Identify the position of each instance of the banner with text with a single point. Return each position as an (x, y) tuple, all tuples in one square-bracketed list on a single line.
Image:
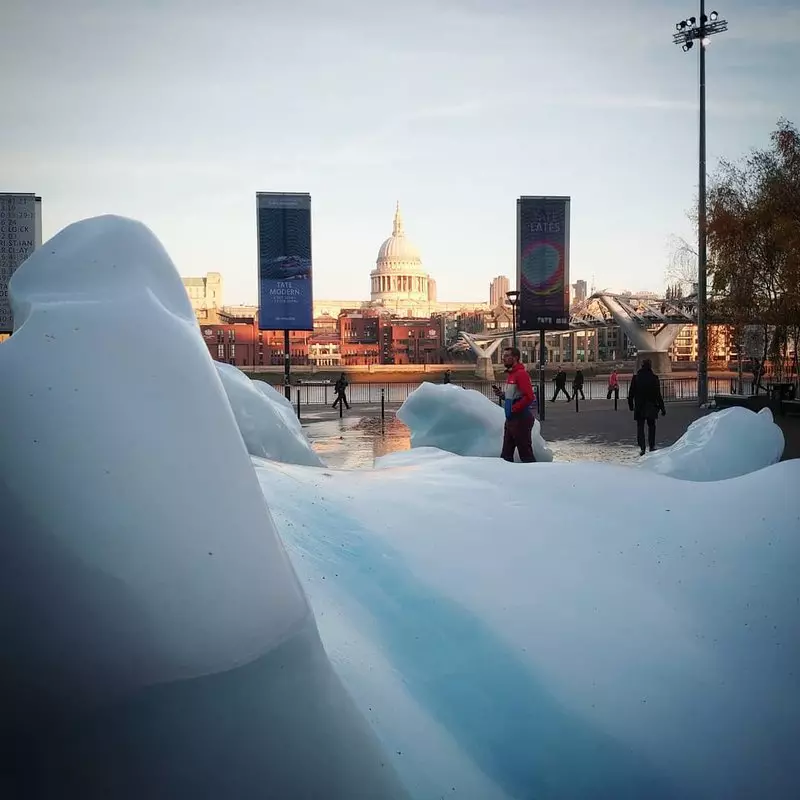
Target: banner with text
[(284, 262), (20, 235), (543, 263)]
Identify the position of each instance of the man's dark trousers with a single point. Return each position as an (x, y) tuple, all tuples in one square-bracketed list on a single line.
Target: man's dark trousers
[(651, 433), (517, 436)]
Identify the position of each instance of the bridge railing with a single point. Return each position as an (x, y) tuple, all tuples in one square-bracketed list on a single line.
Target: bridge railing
[(321, 394)]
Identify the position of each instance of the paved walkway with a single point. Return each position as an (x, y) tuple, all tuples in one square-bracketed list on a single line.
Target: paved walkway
[(596, 432), (596, 420)]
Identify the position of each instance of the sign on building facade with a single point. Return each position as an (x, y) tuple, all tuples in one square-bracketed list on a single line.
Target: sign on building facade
[(20, 235), (284, 261), (543, 263)]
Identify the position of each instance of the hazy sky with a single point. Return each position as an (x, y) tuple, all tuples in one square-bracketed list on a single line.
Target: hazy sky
[(176, 112)]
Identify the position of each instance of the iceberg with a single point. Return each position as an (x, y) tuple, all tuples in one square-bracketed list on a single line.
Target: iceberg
[(722, 445), (514, 633), (266, 419), (461, 421), (156, 641)]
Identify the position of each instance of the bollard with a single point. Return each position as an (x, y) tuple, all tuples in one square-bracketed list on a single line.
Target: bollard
[(383, 405), (298, 402), (577, 407), (616, 399), (341, 408)]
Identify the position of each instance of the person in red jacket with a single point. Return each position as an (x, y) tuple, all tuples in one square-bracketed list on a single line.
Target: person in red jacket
[(518, 400)]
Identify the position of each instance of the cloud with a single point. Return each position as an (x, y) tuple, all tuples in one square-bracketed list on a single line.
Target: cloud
[(656, 103), (776, 27)]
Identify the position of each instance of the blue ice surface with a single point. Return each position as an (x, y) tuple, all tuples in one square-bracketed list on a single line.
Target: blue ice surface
[(473, 683)]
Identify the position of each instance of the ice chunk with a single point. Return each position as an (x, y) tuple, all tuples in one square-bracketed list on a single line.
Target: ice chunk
[(596, 633), (721, 445), (461, 421), (266, 419), (156, 641)]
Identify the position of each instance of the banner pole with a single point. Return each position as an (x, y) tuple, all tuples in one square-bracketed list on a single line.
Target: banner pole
[(542, 362)]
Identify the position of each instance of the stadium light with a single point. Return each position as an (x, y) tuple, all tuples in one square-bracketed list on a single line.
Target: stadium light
[(687, 32)]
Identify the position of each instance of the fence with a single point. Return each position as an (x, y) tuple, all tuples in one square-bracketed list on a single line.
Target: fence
[(321, 394)]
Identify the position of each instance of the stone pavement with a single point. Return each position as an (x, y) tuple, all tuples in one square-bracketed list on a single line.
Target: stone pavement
[(596, 432)]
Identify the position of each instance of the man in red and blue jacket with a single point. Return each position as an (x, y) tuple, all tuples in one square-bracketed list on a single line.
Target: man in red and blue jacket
[(518, 400)]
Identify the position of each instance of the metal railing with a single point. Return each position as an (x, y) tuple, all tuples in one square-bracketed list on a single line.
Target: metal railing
[(322, 394)]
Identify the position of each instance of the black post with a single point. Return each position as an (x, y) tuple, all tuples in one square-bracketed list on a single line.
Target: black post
[(702, 330), (298, 402), (514, 323), (542, 362), (577, 407), (287, 389), (616, 398), (383, 405), (341, 406)]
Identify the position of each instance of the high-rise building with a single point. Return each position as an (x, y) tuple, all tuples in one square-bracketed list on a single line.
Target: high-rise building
[(20, 235), (579, 292), (497, 291)]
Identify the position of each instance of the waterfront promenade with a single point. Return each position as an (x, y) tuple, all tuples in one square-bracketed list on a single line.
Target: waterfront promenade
[(595, 433)]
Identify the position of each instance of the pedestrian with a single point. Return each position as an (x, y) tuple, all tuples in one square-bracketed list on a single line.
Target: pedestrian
[(518, 399), (577, 384), (645, 400), (560, 381), (758, 375), (340, 387), (613, 385), (447, 377)]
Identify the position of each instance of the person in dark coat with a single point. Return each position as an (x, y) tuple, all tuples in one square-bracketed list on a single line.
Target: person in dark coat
[(448, 377), (340, 387), (645, 400), (560, 381), (577, 384)]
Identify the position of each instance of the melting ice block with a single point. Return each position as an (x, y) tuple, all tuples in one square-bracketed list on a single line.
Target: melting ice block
[(156, 642), (266, 419), (599, 632), (721, 445), (461, 421)]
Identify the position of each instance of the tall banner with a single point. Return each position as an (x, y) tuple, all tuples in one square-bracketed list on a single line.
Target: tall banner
[(284, 262), (20, 235), (543, 263)]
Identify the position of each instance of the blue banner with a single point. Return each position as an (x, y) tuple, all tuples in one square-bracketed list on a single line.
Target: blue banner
[(543, 263), (284, 262)]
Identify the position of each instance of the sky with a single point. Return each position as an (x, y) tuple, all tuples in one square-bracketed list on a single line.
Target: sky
[(177, 112)]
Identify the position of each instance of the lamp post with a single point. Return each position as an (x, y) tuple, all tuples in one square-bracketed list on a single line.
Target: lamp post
[(513, 297), (688, 32)]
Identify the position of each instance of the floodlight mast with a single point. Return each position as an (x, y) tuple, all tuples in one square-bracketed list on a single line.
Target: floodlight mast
[(687, 32)]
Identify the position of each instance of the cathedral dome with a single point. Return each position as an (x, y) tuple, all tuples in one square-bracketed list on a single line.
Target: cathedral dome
[(397, 249)]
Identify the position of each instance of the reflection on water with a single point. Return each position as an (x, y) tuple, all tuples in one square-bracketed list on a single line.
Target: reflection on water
[(355, 442)]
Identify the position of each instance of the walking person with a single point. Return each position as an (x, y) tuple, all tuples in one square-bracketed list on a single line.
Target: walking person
[(518, 399), (613, 385), (577, 385), (758, 375), (560, 381), (340, 387), (645, 400)]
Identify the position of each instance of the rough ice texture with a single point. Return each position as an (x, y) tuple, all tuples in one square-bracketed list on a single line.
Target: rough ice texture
[(569, 631), (722, 445), (266, 419), (156, 641), (564, 630), (461, 421)]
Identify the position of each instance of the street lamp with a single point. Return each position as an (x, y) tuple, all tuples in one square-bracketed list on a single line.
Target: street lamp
[(688, 32), (513, 297)]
